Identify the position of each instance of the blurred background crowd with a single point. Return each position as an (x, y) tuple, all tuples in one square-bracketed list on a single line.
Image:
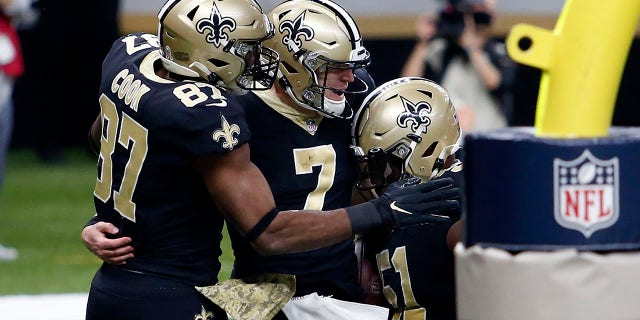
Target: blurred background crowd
[(55, 99)]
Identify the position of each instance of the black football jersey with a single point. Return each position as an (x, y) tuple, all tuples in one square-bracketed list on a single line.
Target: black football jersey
[(307, 163), (417, 271), (152, 131)]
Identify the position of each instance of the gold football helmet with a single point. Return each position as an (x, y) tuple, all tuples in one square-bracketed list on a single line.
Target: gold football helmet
[(219, 41), (409, 121), (313, 36)]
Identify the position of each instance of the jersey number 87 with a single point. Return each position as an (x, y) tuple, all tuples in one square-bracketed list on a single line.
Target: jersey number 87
[(125, 131)]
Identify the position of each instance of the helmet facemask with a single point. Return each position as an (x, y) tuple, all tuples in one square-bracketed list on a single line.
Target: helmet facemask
[(260, 67), (378, 169), (315, 95)]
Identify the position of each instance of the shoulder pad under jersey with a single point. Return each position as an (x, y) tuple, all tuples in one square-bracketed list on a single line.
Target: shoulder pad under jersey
[(200, 117)]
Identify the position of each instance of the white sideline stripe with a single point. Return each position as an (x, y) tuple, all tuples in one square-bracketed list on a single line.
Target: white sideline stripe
[(67, 306)]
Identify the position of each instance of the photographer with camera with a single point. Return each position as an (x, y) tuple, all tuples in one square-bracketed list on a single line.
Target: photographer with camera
[(456, 50)]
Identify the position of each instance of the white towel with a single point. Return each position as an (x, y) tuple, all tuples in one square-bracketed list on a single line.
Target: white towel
[(314, 307)]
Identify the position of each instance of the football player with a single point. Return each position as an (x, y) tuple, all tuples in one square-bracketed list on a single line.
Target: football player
[(174, 161), (301, 139), (408, 127)]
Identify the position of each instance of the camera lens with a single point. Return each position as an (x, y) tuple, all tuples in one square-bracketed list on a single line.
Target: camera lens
[(450, 23), (481, 18)]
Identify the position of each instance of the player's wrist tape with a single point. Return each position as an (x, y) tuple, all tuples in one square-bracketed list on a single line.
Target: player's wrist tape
[(261, 226), (363, 217)]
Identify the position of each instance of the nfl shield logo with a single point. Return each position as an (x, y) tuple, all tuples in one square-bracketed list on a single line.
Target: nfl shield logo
[(586, 193), (312, 126)]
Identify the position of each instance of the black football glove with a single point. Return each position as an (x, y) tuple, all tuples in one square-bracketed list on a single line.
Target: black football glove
[(408, 202), (403, 183)]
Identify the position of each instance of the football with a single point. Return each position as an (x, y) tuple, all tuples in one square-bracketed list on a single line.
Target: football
[(368, 275)]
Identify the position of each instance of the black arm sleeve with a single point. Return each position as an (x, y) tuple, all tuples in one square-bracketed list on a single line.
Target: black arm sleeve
[(91, 221)]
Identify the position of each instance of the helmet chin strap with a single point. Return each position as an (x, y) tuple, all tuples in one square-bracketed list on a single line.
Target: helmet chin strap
[(289, 91), (331, 108), (456, 166), (178, 69), (284, 83), (216, 80), (412, 146)]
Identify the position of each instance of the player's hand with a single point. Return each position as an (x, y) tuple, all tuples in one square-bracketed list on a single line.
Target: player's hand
[(113, 251), (401, 184), (408, 202), (426, 27)]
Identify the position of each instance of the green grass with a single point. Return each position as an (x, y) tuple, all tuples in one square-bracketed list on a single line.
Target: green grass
[(42, 211)]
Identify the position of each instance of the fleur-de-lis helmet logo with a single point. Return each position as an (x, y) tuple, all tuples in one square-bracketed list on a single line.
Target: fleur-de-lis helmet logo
[(294, 32), (216, 24), (416, 114), (204, 315), (227, 133)]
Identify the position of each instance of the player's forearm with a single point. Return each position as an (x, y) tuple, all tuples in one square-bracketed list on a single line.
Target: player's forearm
[(488, 72), (242, 193), (414, 67), (295, 231)]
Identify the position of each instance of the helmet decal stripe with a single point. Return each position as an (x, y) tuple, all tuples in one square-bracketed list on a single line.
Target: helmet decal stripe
[(347, 19), (257, 5), (167, 6), (162, 14)]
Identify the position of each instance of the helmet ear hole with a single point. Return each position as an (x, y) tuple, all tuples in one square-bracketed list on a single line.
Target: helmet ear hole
[(218, 63), (287, 66), (429, 151)]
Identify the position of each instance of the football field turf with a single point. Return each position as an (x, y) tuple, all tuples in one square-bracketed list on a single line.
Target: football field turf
[(42, 211)]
